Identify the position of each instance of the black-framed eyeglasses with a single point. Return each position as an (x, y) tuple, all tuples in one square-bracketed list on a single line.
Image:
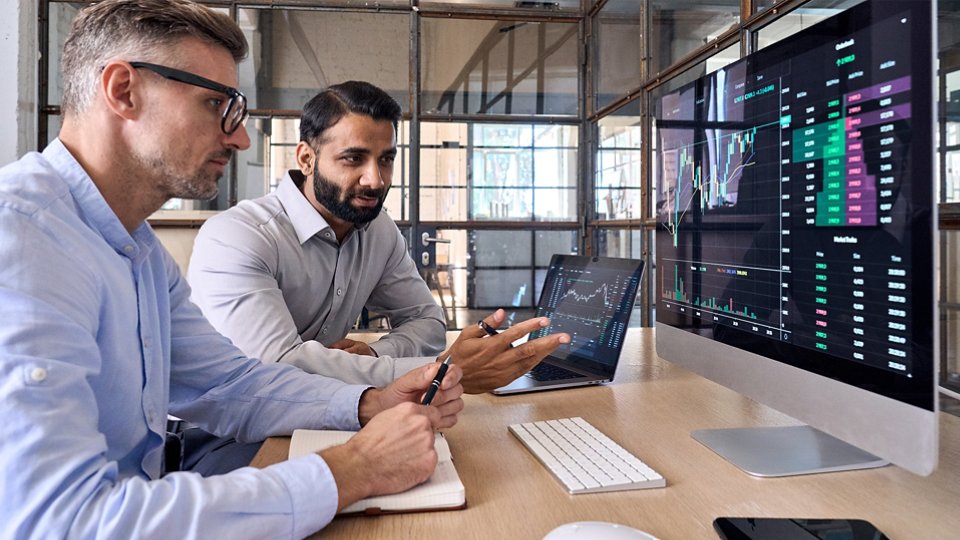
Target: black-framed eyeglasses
[(234, 114)]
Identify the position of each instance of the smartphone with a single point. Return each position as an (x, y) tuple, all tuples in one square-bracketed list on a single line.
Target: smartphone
[(746, 528)]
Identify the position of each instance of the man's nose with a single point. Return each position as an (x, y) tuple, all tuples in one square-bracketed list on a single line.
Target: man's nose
[(239, 139), (372, 176)]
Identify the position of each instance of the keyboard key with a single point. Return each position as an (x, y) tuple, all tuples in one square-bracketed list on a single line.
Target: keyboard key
[(547, 372), (584, 459)]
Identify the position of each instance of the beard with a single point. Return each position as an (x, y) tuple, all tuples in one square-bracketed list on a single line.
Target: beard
[(203, 184), (337, 201)]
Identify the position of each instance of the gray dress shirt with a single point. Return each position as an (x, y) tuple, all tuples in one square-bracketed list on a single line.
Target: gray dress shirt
[(270, 275)]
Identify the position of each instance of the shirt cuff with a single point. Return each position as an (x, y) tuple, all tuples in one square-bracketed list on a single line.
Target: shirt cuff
[(344, 408), (313, 492)]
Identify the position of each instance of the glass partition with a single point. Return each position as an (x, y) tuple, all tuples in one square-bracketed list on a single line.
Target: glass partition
[(295, 53), (507, 266), (474, 66), (619, 50), (443, 171), (498, 172), (618, 185), (682, 26)]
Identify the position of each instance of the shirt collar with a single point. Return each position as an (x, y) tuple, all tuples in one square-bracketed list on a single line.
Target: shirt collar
[(304, 217), (306, 220), (94, 208)]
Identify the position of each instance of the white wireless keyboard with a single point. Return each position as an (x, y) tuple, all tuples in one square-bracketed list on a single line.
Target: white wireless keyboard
[(584, 459)]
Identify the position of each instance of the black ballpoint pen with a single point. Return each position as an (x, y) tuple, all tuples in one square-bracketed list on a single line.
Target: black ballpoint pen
[(435, 385)]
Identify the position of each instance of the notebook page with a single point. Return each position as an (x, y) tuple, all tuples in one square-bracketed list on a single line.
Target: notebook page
[(309, 441), (442, 490)]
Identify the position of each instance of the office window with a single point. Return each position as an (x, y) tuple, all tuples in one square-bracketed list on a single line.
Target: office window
[(950, 308), (295, 53), (618, 183), (474, 66), (443, 171), (620, 50), (498, 172), (282, 157), (949, 133), (948, 153), (58, 26), (508, 266), (524, 171), (683, 26)]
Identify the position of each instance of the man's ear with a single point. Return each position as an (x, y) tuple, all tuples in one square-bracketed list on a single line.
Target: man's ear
[(121, 86), (306, 158)]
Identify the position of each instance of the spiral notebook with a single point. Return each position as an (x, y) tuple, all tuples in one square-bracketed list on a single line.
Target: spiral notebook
[(442, 491)]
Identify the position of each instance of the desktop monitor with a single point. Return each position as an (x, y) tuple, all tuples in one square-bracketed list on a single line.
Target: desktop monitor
[(795, 244)]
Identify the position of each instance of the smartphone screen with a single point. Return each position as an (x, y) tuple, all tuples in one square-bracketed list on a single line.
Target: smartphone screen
[(744, 528)]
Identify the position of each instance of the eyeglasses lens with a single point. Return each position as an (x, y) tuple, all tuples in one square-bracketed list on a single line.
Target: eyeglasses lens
[(235, 115)]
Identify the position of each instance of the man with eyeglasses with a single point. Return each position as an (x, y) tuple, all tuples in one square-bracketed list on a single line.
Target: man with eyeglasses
[(99, 341)]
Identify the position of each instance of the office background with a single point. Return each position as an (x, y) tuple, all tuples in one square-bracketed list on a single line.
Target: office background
[(527, 127)]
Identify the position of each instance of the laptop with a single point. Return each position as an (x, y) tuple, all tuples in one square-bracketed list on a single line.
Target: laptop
[(589, 298)]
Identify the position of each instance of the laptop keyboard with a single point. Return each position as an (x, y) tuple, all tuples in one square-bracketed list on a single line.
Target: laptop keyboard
[(546, 372), (584, 459)]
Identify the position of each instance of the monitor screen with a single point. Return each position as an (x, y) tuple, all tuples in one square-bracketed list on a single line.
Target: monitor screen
[(795, 208), (589, 298)]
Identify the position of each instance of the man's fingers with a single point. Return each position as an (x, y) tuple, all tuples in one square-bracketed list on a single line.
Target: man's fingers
[(452, 378), (521, 329), (540, 347), (494, 320), (341, 344)]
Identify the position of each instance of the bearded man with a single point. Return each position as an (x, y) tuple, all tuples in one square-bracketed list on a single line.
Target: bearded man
[(285, 276)]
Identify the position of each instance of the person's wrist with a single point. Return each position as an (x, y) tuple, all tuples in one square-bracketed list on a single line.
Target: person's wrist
[(369, 405), (348, 468)]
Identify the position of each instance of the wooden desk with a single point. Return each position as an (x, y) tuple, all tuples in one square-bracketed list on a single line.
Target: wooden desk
[(651, 410)]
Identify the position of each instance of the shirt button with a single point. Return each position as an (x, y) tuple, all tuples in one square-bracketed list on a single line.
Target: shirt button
[(147, 342), (324, 331), (38, 374), (339, 291), (128, 248)]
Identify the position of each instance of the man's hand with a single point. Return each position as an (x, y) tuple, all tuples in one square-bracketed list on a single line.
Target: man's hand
[(351, 346), (392, 453), (410, 388), (489, 362)]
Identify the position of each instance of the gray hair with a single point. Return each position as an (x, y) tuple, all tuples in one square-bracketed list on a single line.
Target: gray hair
[(136, 30)]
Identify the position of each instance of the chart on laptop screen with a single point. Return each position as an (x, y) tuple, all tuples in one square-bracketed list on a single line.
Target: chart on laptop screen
[(590, 299)]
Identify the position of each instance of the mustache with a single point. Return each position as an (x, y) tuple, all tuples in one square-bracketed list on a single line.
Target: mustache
[(222, 154), (369, 192)]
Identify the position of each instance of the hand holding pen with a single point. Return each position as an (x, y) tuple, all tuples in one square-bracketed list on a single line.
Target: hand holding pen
[(437, 381)]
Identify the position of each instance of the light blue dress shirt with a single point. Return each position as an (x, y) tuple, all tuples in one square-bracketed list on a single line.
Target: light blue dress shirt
[(98, 342)]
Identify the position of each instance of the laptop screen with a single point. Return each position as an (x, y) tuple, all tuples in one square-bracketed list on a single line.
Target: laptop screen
[(589, 298)]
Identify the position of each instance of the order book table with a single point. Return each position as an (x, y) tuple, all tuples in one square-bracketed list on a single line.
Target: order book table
[(650, 409)]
